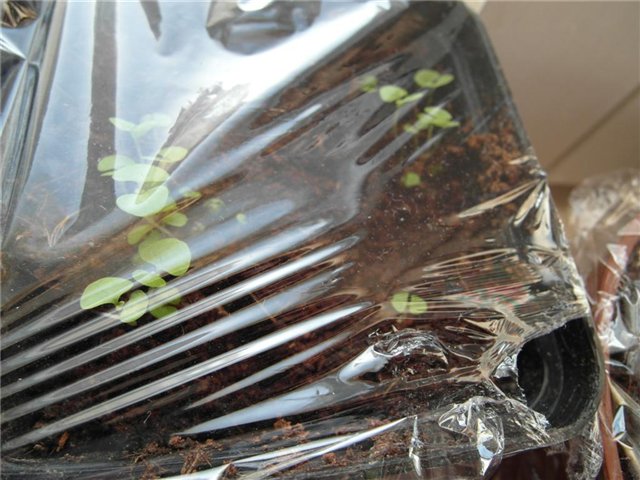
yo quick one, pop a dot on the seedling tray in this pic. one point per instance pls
(277, 239)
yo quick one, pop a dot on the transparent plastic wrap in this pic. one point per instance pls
(606, 220)
(277, 239)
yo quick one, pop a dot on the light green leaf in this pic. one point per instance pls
(163, 311)
(410, 128)
(391, 93)
(148, 279)
(173, 154)
(405, 302)
(154, 236)
(137, 233)
(121, 124)
(214, 204)
(241, 217)
(176, 219)
(438, 113)
(431, 79)
(423, 122)
(104, 290)
(425, 78)
(144, 204)
(141, 174)
(135, 307)
(437, 116)
(168, 255)
(411, 179)
(112, 162)
(369, 83)
(410, 98)
(445, 79)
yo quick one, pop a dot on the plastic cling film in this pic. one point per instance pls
(607, 245)
(264, 239)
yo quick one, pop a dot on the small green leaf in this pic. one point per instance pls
(104, 290)
(405, 302)
(411, 179)
(423, 122)
(153, 236)
(369, 83)
(443, 80)
(410, 128)
(163, 311)
(425, 78)
(214, 204)
(137, 233)
(168, 255)
(121, 124)
(140, 173)
(148, 279)
(241, 217)
(431, 79)
(176, 219)
(410, 98)
(438, 116)
(112, 162)
(391, 93)
(144, 204)
(135, 307)
(173, 154)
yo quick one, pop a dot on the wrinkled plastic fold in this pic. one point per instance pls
(607, 246)
(263, 239)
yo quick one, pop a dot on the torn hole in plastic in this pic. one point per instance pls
(545, 365)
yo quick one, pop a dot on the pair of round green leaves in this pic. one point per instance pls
(166, 255)
(148, 122)
(424, 78)
(108, 290)
(432, 117)
(148, 201)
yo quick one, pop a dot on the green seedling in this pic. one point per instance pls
(405, 302)
(369, 84)
(411, 179)
(159, 254)
(431, 79)
(430, 117)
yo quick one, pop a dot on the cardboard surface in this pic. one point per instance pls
(574, 69)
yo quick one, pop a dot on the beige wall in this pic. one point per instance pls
(574, 70)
